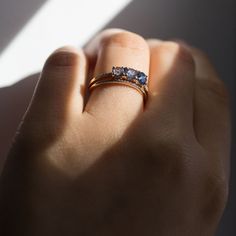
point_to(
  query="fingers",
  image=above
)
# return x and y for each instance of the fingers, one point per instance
(212, 112)
(60, 90)
(171, 85)
(185, 90)
(92, 47)
(119, 103)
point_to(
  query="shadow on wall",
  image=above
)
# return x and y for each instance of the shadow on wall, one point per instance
(13, 16)
(209, 25)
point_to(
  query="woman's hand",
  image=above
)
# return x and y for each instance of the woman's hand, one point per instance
(106, 166)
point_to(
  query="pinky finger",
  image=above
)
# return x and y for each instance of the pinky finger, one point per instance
(212, 110)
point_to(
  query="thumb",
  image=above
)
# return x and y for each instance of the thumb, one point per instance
(59, 94)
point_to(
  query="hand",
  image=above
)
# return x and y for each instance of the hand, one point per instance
(109, 166)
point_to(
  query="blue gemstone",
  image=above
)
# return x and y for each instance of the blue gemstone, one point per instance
(117, 71)
(130, 73)
(142, 78)
(125, 70)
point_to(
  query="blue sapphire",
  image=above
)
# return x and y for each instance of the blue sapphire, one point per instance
(130, 73)
(117, 71)
(142, 78)
(126, 70)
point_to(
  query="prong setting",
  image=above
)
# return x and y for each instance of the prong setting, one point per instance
(130, 74)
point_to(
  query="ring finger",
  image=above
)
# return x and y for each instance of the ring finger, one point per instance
(118, 103)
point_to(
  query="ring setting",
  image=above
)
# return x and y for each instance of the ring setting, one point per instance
(125, 76)
(130, 73)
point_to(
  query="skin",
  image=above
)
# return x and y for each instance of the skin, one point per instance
(105, 164)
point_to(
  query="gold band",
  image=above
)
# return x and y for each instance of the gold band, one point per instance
(109, 78)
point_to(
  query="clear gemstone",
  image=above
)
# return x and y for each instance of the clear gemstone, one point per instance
(117, 71)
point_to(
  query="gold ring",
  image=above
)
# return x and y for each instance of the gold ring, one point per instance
(124, 76)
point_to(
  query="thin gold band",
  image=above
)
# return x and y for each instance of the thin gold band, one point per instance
(108, 78)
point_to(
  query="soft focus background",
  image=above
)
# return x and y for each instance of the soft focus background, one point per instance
(31, 29)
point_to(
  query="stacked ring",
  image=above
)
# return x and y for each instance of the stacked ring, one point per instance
(125, 76)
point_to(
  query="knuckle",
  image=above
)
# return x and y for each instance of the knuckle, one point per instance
(203, 61)
(125, 39)
(214, 88)
(65, 56)
(176, 51)
(110, 31)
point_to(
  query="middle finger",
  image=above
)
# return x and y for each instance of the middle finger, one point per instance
(119, 102)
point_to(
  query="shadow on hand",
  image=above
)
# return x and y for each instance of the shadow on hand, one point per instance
(14, 101)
